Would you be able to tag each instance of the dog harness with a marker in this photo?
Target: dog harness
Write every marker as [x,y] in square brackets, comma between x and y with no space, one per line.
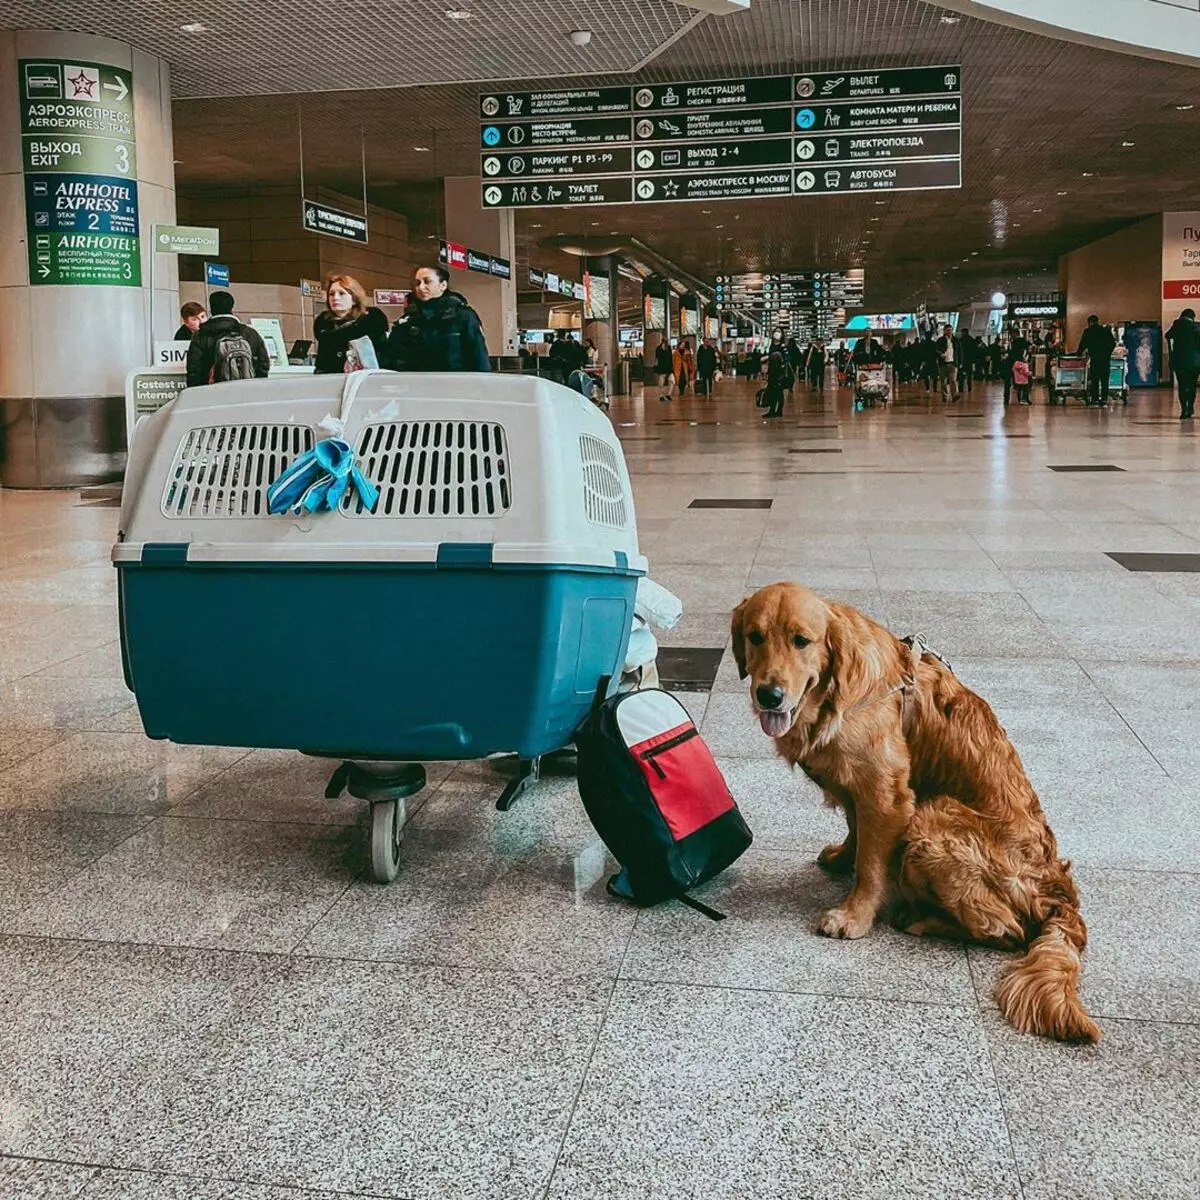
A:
[918,646]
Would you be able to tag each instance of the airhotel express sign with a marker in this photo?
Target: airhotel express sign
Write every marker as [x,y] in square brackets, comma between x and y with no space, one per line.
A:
[78,150]
[897,129]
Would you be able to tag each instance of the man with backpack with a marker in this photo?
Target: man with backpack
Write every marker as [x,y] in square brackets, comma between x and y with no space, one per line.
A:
[224,349]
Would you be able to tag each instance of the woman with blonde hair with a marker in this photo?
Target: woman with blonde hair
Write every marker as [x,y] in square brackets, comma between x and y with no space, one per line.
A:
[348,316]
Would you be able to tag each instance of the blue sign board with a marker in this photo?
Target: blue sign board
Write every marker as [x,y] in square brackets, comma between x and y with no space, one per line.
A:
[70,203]
[216,275]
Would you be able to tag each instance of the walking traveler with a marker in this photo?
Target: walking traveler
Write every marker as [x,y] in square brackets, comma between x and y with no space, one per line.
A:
[706,368]
[224,349]
[1184,339]
[815,366]
[683,363]
[949,359]
[348,318]
[777,373]
[1098,344]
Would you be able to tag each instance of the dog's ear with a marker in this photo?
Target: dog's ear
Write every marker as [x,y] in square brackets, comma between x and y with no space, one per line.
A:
[850,664]
[737,630]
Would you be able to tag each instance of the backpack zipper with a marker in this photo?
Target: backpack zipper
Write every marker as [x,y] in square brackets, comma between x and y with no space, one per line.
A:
[670,744]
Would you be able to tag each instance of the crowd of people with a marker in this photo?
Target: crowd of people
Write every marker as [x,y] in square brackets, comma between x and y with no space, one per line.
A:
[440,331]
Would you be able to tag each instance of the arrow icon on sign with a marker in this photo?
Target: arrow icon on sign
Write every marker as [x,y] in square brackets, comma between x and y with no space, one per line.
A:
[118,87]
[43,270]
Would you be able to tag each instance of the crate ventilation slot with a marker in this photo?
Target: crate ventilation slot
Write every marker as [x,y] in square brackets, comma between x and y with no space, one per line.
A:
[225,470]
[603,494]
[435,469]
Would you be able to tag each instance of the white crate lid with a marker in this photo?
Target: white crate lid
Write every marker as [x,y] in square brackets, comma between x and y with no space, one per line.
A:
[522,466]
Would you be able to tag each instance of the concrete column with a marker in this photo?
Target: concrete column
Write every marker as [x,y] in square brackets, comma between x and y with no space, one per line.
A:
[607,333]
[489,231]
[67,343]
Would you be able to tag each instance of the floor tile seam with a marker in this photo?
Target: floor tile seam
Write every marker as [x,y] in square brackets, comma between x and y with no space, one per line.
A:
[601,1025]
[161,1172]
[63,735]
[1125,721]
[760,990]
[288,957]
[49,895]
[207,782]
[293,951]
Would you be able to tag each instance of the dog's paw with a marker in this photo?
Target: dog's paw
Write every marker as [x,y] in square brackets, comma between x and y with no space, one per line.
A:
[844,923]
[836,859]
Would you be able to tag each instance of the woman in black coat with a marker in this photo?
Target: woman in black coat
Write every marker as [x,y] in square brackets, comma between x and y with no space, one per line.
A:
[348,317]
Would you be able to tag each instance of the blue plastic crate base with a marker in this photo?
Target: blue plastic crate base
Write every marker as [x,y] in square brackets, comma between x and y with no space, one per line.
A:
[387,661]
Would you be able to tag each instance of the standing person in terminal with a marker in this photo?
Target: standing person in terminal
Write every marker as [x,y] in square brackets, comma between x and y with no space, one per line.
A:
[348,317]
[443,332]
[706,367]
[1184,339]
[224,349]
[662,366]
[815,365]
[1098,344]
[949,359]
[193,316]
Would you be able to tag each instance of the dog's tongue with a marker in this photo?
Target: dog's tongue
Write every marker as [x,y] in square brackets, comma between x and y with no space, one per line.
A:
[775,723]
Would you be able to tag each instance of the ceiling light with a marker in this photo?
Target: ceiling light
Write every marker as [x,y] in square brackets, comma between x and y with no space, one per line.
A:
[595,223]
[718,226]
[1037,210]
[193,27]
[1184,107]
[1089,174]
[1128,144]
[458,14]
[880,201]
[974,253]
[580,37]
[1062,193]
[421,149]
[999,300]
[948,20]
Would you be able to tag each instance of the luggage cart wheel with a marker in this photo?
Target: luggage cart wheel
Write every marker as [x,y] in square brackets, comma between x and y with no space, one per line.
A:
[386,836]
[529,771]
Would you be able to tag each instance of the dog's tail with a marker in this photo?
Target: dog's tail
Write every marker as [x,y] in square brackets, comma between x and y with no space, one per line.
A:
[1041,993]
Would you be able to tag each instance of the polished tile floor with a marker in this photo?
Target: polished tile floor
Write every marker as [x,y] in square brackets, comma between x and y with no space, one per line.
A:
[202,998]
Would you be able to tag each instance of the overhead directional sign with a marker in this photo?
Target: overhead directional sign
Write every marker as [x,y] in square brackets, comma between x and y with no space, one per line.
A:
[726,139]
[540,164]
[79,155]
[570,131]
[334,222]
[575,103]
[814,295]
[562,193]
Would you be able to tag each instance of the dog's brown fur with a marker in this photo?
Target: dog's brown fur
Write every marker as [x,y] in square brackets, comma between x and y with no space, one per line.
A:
[943,822]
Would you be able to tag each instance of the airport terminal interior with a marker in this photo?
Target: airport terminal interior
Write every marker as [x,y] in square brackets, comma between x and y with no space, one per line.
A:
[326,867]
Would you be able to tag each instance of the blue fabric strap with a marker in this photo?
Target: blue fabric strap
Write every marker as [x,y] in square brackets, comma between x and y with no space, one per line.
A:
[319,479]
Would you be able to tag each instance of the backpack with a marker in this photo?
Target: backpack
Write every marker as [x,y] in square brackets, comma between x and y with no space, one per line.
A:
[1021,372]
[232,358]
[657,798]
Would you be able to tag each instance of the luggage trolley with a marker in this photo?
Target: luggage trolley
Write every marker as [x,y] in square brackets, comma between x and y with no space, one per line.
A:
[1118,377]
[1070,378]
[871,387]
[478,610]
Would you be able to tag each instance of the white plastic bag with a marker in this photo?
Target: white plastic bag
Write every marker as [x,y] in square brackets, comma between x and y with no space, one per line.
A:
[661,608]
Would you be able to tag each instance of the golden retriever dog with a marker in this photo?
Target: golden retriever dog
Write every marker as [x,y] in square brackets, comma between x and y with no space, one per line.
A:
[944,828]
